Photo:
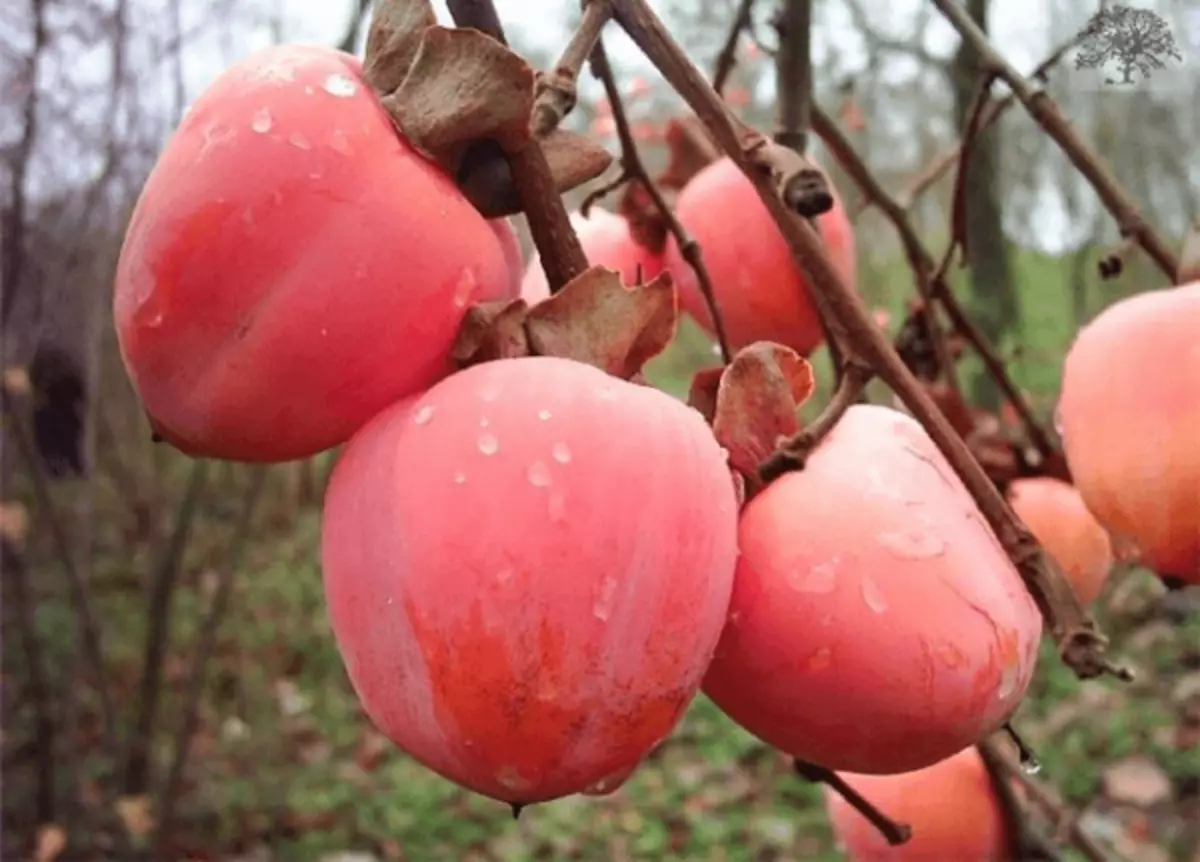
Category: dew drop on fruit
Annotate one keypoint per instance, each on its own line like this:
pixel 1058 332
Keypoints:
pixel 298 141
pixel 561 453
pixel 490 393
pixel 510 778
pixel 339 143
pixel 873 595
pixel 604 599
pixel 484 422
pixel 539 475
pixel 1008 680
pixel 606 785
pixel 423 415
pixel 544 415
pixel 913 544
pixel 340 86
pixel 488 444
pixel 820 660
pixel 504 575
pixel 261 121
pixel 460 478
pixel 464 289
pixel 820 579
pixel 606 393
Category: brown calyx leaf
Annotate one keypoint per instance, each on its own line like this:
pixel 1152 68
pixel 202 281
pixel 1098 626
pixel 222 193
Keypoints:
pixel 492 330
pixel 953 406
pixel 801 185
pixel 756 402
pixel 690 150
pixel 462 86
pixel 703 393
pixel 646 224
pixel 393 39
pixel 484 176
pixel 597 320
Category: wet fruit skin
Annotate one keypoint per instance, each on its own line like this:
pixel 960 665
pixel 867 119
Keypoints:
pixel 607 242
pixel 876 625
pixel 951 806
pixel 292 265
pixel 1062 524
pixel 1130 420
pixel 760 292
pixel 503 612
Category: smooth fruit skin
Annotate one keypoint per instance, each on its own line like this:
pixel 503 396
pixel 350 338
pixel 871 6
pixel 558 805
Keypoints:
pixel 606 241
pixel 761 293
pixel 876 625
pixel 1069 532
pixel 527 570
pixel 511 246
pixel 951 806
pixel 1130 419
pixel 292 265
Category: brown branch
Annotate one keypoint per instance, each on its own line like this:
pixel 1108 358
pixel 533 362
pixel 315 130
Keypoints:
pixel 895 833
pixel 958 209
pixel 557 244
pixel 556 88
pixel 727 58
pixel 1047 115
pixel 632 169
pixel 1080 644
pixel 206 643
pixel 792 454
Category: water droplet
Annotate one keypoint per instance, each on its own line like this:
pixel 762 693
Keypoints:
pixel 1009 678
pixel 504 575
pixel 510 777
pixel 716 350
pixel 488 444
pixel 484 422
pixel 546 689
pixel 604 599
pixel 724 453
pixel 465 288
pixel 298 141
pixel 261 121
pixel 324 331
pixel 606 393
pixel 607 784
pixel 539 475
pixel 490 393
pixel 460 478
pixel 340 143
pixel 951 655
pixel 820 659
pixel 1031 766
pixel 423 415
pixel 544 415
pixel 340 86
pixel 821 578
pixel 558 507
pixel 873 595
pixel 913 544
pixel 561 453
pixel 308 91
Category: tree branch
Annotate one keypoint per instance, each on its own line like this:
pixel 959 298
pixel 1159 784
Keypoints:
pixel 895 833
pixel 556 89
pixel 727 57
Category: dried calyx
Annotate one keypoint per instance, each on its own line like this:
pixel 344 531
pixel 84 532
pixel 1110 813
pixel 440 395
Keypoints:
pixel 460 96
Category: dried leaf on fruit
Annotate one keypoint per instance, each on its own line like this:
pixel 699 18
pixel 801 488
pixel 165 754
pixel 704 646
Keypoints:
pixel 690 148
pixel 596 319
pixel 393 39
pixel 703 393
pixel 492 330
pixel 756 403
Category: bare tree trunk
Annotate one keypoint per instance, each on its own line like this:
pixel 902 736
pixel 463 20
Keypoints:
pixel 995 303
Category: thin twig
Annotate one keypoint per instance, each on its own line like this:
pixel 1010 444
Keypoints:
pixel 479 15
pixel 1081 646
pixel 895 833
pixel 958 208
pixel 1046 112
pixel 158 633
pixel 556 88
pixel 633 170
pixel 727 57
pixel 206 642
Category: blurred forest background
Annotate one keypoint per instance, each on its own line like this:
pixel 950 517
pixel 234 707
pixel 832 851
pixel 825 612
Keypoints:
pixel 170 685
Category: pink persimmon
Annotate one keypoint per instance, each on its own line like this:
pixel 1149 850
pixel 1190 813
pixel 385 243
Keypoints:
pixel 1130 419
pixel 504 612
pixel 293 265
pixel 1056 514
pixel 606 241
pixel 952 807
pixel 760 292
pixel 511 246
pixel 877 625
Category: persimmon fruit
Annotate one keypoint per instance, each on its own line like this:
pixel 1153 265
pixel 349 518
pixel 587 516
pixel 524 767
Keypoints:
pixel 1129 412
pixel 292 265
pixel 606 241
pixel 1061 522
pixel 952 807
pixel 760 291
pixel 877 625
pixel 511 246
pixel 504 613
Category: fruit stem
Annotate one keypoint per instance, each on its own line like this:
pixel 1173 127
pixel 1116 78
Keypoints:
pixel 556 88
pixel 727 57
pixel 895 833
pixel 1023 841
pixel 1080 645
pixel 793 453
pixel 1046 113
pixel 633 170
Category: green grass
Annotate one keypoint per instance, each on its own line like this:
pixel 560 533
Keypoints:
pixel 315 779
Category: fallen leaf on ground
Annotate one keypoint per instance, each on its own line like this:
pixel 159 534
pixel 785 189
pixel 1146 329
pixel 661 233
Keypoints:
pixel 1136 781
